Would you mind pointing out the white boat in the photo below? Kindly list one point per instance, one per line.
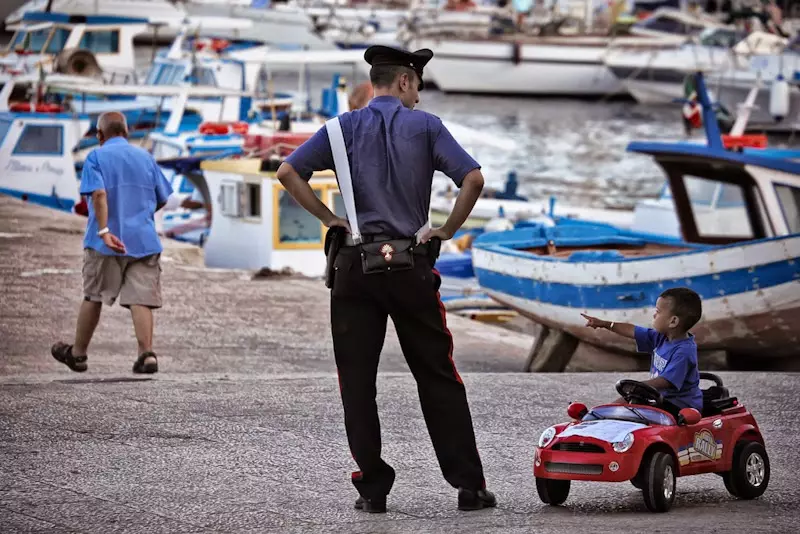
(36, 154)
(88, 46)
(748, 274)
(519, 64)
(165, 16)
(731, 60)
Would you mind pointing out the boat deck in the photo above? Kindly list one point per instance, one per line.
(628, 251)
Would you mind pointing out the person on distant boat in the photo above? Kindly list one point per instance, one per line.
(673, 367)
(122, 250)
(393, 152)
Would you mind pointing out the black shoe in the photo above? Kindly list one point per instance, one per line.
(372, 506)
(475, 500)
(146, 363)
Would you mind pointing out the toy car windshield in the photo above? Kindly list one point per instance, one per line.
(629, 412)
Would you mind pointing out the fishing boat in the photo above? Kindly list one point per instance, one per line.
(36, 162)
(746, 271)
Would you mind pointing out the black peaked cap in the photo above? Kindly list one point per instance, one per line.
(386, 55)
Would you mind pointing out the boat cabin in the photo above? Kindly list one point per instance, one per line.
(36, 161)
(256, 224)
(725, 192)
(75, 44)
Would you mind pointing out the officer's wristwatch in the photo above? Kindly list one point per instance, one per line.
(103, 232)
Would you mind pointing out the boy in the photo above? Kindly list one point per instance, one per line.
(673, 367)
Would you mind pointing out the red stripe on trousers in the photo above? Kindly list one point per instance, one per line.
(443, 313)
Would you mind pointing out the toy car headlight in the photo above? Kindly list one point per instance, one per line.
(625, 444)
(547, 436)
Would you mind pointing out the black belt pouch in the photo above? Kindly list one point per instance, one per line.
(387, 256)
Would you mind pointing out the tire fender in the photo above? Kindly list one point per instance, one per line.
(735, 437)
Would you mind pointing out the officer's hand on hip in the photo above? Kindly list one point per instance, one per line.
(337, 221)
(440, 232)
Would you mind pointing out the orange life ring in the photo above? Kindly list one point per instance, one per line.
(215, 128)
(222, 128)
(219, 44)
(240, 127)
(39, 108)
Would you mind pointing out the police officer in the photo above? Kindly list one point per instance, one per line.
(392, 152)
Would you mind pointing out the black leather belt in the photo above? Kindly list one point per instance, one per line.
(368, 238)
(372, 238)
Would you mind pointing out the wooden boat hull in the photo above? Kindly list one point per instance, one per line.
(750, 291)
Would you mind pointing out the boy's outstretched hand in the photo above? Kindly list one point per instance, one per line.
(594, 322)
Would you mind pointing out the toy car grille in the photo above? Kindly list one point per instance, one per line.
(577, 447)
(574, 469)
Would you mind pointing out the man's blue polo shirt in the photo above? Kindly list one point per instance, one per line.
(134, 186)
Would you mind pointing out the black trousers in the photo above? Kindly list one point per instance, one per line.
(360, 307)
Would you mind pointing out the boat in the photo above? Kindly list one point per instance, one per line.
(508, 203)
(547, 63)
(747, 272)
(36, 162)
(98, 46)
(165, 16)
(730, 58)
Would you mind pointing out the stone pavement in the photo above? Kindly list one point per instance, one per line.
(242, 430)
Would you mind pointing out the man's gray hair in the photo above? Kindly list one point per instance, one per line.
(112, 123)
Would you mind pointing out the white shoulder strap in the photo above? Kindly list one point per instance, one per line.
(334, 129)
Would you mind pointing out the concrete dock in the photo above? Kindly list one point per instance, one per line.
(242, 429)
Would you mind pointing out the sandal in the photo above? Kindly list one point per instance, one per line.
(141, 365)
(63, 353)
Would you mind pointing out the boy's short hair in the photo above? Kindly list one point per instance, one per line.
(686, 305)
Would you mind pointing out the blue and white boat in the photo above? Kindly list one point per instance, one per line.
(745, 268)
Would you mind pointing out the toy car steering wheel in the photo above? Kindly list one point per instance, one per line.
(636, 392)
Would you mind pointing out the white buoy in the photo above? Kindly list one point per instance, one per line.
(779, 98)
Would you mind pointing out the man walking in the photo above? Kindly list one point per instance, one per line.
(388, 153)
(122, 250)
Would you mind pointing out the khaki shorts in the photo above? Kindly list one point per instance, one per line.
(136, 281)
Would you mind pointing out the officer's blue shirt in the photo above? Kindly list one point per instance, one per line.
(393, 152)
(675, 361)
(134, 186)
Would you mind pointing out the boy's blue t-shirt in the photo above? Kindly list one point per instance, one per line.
(677, 362)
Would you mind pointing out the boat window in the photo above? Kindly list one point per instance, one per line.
(186, 186)
(101, 41)
(57, 40)
(204, 76)
(731, 195)
(16, 39)
(728, 218)
(253, 200)
(701, 191)
(5, 126)
(32, 41)
(669, 25)
(40, 140)
(295, 224)
(789, 198)
(229, 198)
(720, 37)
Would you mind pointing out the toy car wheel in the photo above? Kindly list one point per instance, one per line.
(658, 481)
(749, 474)
(552, 491)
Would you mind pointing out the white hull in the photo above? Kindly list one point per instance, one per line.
(543, 69)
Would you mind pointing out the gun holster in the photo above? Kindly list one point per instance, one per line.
(434, 247)
(334, 239)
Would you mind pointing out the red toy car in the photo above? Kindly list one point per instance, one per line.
(644, 444)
